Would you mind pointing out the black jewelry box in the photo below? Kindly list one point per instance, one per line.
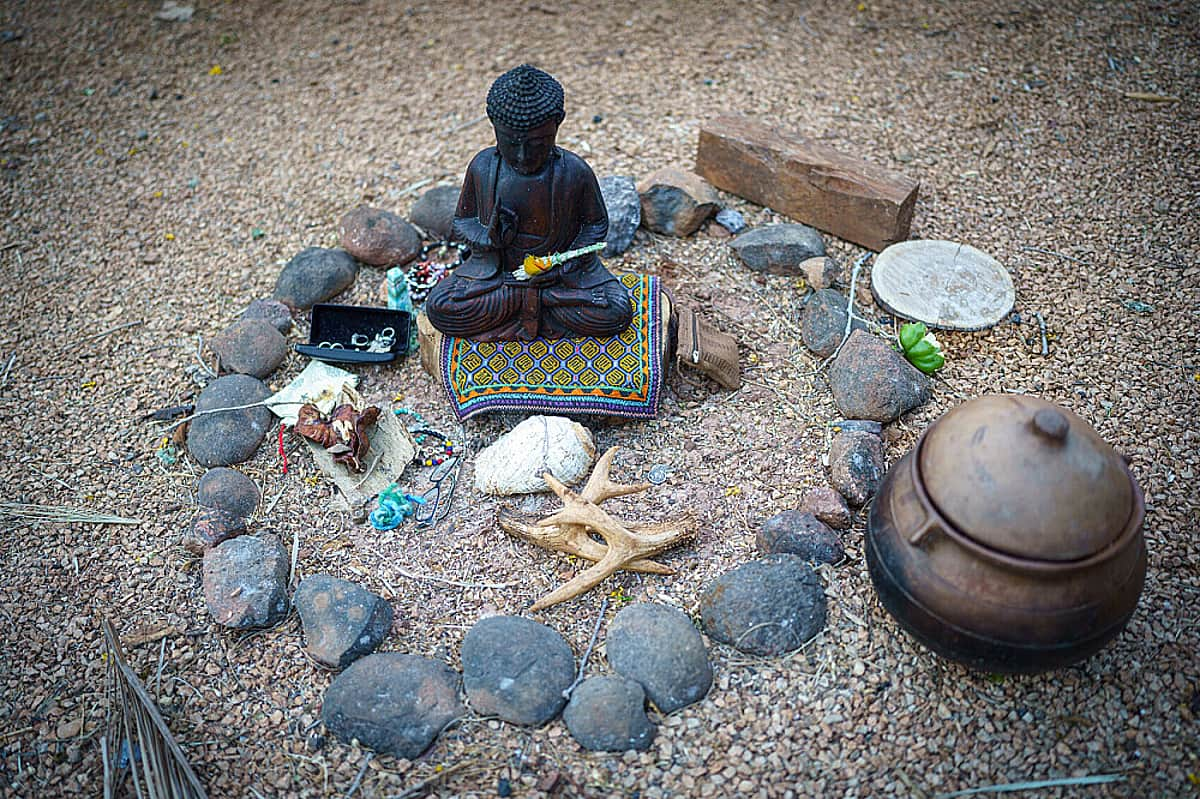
(341, 324)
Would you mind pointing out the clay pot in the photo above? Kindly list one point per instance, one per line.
(1009, 539)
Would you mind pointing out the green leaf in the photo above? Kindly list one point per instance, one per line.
(921, 349)
(930, 363)
(910, 334)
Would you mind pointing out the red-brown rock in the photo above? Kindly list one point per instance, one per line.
(808, 181)
(249, 347)
(378, 237)
(828, 506)
(210, 527)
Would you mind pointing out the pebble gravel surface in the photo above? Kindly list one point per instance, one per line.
(156, 176)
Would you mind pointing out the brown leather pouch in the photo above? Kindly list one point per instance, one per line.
(701, 346)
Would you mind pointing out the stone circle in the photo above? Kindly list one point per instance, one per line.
(608, 714)
(342, 620)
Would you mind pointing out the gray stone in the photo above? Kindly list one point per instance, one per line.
(624, 213)
(658, 647)
(211, 526)
(778, 249)
(392, 703)
(314, 275)
(856, 465)
(765, 607)
(860, 425)
(245, 581)
(249, 347)
(273, 312)
(732, 220)
(342, 621)
(378, 237)
(675, 202)
(870, 380)
(516, 669)
(795, 532)
(229, 490)
(827, 505)
(433, 211)
(228, 437)
(823, 322)
(608, 714)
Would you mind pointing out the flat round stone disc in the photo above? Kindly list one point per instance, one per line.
(944, 284)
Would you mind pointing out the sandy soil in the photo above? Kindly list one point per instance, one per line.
(133, 177)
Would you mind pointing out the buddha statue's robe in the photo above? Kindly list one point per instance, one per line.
(560, 208)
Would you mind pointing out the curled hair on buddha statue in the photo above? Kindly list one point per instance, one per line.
(524, 98)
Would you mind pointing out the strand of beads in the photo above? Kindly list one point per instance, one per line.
(430, 267)
(429, 455)
(436, 455)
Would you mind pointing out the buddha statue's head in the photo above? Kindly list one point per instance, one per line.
(525, 106)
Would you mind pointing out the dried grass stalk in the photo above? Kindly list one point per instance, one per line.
(59, 513)
(160, 769)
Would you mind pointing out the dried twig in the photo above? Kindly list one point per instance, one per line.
(111, 330)
(260, 404)
(14, 733)
(362, 772)
(7, 368)
(1058, 255)
(470, 123)
(1042, 327)
(274, 502)
(435, 579)
(858, 264)
(200, 358)
(1151, 97)
(419, 788)
(587, 653)
(295, 556)
(1008, 787)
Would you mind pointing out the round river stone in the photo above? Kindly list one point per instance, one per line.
(228, 437)
(765, 607)
(658, 646)
(516, 669)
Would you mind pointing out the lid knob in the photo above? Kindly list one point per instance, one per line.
(1051, 424)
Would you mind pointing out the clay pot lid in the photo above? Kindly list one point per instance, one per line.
(1025, 477)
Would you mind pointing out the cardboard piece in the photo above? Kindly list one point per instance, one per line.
(391, 450)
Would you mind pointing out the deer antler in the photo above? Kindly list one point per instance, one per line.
(629, 545)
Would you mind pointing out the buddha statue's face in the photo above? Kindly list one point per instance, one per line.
(526, 151)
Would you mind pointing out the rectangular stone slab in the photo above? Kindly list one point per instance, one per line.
(810, 182)
(391, 449)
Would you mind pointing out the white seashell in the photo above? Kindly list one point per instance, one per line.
(516, 462)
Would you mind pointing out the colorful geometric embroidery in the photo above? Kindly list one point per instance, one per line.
(613, 376)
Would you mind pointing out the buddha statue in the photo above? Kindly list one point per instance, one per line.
(528, 197)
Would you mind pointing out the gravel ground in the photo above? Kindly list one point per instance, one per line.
(133, 178)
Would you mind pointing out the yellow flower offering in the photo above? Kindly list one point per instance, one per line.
(535, 265)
